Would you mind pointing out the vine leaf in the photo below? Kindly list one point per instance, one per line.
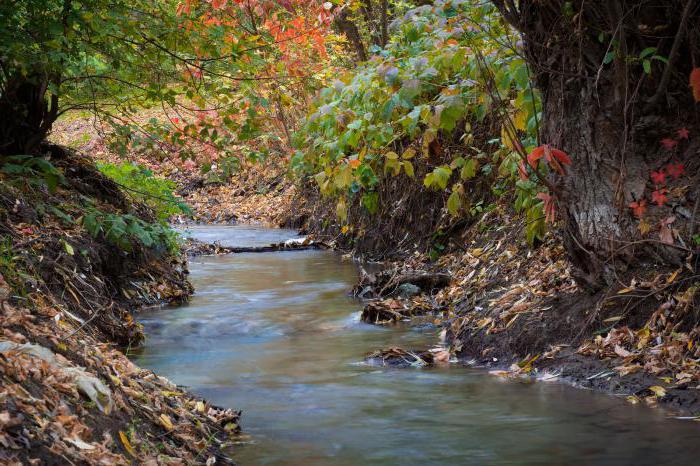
(695, 83)
(555, 158)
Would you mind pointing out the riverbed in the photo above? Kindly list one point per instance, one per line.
(276, 335)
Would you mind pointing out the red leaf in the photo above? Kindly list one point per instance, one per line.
(550, 207)
(535, 155)
(695, 83)
(638, 207)
(659, 196)
(555, 158)
(659, 177)
(669, 143)
(522, 171)
(683, 133)
(561, 156)
(676, 170)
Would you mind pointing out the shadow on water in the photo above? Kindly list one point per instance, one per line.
(274, 334)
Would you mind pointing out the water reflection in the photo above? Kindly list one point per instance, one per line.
(275, 335)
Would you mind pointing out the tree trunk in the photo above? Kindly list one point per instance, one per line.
(610, 111)
(347, 27)
(27, 114)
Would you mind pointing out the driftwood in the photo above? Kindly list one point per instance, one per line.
(399, 357)
(386, 282)
(200, 248)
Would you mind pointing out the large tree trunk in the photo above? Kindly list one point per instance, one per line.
(611, 116)
(26, 114)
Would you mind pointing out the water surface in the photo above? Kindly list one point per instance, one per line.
(275, 335)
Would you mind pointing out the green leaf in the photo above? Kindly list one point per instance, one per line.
(454, 202)
(343, 178)
(408, 168)
(442, 176)
(69, 249)
(469, 169)
(370, 201)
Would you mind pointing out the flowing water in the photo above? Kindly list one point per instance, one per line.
(274, 334)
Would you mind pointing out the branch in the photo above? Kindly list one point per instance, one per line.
(509, 11)
(666, 77)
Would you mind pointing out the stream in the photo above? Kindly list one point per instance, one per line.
(276, 335)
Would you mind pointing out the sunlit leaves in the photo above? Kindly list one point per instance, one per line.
(438, 178)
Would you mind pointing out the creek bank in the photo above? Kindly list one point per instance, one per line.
(519, 311)
(68, 392)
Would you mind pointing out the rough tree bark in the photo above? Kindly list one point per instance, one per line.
(26, 114)
(349, 28)
(610, 116)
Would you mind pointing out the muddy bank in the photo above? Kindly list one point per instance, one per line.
(518, 310)
(68, 297)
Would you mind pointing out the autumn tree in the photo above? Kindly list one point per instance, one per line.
(614, 77)
(215, 67)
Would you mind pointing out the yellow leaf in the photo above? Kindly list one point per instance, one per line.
(644, 227)
(200, 406)
(408, 153)
(170, 394)
(167, 423)
(658, 391)
(520, 120)
(127, 446)
(673, 276)
(341, 209)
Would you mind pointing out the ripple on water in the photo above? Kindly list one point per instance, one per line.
(275, 334)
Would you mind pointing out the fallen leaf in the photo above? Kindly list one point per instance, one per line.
(659, 391)
(127, 445)
(167, 423)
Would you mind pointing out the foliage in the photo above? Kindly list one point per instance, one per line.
(445, 67)
(32, 170)
(144, 187)
(219, 70)
(124, 231)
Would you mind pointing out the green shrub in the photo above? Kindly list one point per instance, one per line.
(144, 187)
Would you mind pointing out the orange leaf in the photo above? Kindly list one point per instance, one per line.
(354, 163)
(638, 208)
(695, 83)
(535, 155)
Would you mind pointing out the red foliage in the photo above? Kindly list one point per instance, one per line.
(522, 171)
(676, 170)
(658, 177)
(555, 158)
(659, 196)
(550, 207)
(638, 207)
(695, 83)
(683, 133)
(669, 143)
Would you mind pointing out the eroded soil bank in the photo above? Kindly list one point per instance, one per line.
(68, 394)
